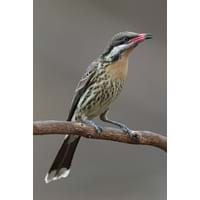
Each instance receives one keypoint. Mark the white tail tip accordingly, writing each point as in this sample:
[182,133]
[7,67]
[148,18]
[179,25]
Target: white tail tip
[63,173]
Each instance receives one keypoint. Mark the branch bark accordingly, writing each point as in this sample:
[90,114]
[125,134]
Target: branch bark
[71,128]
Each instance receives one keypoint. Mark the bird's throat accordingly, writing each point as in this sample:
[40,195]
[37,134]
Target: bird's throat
[118,70]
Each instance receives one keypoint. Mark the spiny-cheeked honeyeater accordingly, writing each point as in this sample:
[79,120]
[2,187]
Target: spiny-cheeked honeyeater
[97,89]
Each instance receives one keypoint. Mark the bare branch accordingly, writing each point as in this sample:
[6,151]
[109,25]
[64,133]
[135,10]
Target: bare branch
[71,128]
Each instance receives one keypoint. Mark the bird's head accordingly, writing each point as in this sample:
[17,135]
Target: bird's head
[123,43]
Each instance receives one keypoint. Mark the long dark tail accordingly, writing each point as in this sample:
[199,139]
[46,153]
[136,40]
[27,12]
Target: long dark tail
[61,165]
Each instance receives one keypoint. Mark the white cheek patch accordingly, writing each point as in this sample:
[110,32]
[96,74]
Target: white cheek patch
[116,51]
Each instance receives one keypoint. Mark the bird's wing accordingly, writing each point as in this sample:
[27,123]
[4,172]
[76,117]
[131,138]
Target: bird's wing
[82,86]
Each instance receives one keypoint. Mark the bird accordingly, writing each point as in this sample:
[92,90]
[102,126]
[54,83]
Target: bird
[97,89]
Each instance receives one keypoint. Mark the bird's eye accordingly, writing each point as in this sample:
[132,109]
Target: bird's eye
[126,39]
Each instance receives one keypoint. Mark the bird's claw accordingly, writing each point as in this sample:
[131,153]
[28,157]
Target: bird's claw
[98,129]
[128,131]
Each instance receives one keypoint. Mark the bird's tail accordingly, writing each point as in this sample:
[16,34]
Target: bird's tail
[61,165]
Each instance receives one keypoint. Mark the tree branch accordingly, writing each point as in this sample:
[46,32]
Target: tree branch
[71,128]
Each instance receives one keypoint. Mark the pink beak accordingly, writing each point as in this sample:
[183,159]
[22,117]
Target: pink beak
[141,37]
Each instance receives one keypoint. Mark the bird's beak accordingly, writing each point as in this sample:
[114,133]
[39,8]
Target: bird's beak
[140,38]
[148,36]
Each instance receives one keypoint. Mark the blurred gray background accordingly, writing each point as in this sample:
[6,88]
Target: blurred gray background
[68,35]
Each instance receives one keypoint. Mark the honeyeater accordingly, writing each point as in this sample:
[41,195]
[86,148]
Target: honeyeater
[97,89]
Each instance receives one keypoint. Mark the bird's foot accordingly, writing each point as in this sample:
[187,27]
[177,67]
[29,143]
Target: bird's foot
[128,131]
[97,128]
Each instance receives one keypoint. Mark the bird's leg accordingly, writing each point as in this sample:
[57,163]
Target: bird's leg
[91,123]
[123,127]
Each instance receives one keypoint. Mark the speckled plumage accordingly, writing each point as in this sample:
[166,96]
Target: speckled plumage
[102,91]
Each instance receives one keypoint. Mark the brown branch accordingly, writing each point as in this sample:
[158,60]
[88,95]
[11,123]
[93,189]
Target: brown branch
[70,128]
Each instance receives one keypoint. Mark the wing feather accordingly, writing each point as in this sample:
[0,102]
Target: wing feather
[82,86]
